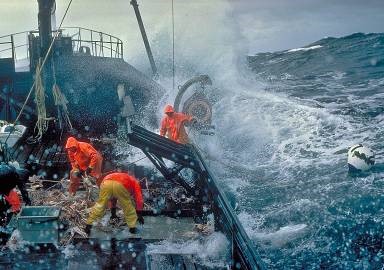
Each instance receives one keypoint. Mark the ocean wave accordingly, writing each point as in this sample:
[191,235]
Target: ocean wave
[306,48]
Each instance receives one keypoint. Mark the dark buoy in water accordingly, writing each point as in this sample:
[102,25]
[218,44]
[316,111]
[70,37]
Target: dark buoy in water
[360,158]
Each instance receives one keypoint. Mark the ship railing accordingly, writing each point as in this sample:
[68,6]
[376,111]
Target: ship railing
[244,254]
[94,43]
[15,46]
[84,41]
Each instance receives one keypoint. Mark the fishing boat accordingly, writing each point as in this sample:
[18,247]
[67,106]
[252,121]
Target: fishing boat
[93,91]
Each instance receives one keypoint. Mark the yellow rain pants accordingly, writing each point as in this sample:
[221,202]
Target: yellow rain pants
[109,189]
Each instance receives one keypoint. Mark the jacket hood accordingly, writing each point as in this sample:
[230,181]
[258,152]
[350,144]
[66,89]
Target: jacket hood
[72,142]
[168,109]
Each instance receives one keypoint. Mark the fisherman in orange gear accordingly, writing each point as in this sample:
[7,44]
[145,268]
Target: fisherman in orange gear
[12,176]
[172,124]
[84,159]
[126,189]
[10,205]
[14,200]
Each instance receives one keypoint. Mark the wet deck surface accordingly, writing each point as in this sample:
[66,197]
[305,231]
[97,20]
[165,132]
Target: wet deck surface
[109,248]
[155,228]
[96,254]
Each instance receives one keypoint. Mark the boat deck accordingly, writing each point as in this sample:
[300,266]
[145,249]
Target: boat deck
[114,249]
[155,228]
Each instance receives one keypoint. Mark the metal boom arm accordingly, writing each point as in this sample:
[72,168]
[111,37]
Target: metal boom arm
[144,35]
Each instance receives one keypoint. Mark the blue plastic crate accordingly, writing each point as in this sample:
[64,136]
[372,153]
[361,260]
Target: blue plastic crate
[39,224]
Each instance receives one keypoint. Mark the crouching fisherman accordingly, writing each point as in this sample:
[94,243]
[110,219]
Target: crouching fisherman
[85,160]
[10,178]
[126,189]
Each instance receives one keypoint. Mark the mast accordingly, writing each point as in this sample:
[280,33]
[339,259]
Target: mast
[145,39]
[45,25]
[45,36]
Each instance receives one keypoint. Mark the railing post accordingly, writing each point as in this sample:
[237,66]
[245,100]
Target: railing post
[110,45]
[13,49]
[101,44]
[79,40]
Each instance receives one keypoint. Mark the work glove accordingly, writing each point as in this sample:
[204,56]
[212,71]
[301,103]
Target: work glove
[77,174]
[87,229]
[88,170]
[140,219]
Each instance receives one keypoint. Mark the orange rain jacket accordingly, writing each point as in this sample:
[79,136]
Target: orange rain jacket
[85,156]
[14,200]
[131,184]
[173,126]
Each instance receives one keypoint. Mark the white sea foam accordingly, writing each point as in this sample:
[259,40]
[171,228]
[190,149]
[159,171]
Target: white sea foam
[69,251]
[283,235]
[16,242]
[277,238]
[211,250]
[306,48]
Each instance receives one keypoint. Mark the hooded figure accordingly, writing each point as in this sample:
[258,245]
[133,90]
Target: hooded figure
[11,177]
[84,159]
[172,125]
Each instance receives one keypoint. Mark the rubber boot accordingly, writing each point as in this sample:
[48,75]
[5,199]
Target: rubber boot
[113,213]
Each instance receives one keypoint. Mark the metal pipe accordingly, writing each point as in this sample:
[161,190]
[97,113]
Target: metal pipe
[45,25]
[145,39]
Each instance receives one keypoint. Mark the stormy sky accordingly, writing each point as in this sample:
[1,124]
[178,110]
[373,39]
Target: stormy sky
[253,25]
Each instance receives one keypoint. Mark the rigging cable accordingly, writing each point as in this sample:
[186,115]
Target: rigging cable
[43,63]
[38,73]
